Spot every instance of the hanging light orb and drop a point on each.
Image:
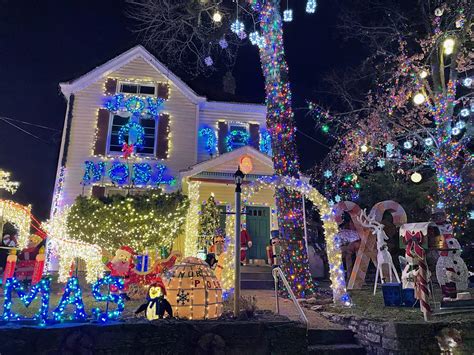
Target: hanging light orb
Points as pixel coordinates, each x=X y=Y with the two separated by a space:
x=448 y=46
x=364 y=148
x=461 y=124
x=419 y=98
x=407 y=145
x=416 y=177
x=423 y=74
x=217 y=16
x=464 y=112
x=467 y=82
x=429 y=141
x=456 y=131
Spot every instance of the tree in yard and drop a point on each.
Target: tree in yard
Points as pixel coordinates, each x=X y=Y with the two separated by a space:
x=192 y=30
x=208 y=223
x=415 y=114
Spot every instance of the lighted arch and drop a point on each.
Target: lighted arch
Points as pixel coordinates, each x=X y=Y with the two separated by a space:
x=20 y=217
x=336 y=269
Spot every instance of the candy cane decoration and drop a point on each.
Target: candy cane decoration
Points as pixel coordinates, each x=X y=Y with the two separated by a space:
x=396 y=210
x=366 y=250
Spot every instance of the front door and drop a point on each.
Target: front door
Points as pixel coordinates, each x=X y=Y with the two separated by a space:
x=258 y=227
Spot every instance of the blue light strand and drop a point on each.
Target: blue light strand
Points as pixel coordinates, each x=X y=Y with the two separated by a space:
x=134 y=104
x=141 y=173
x=93 y=172
x=13 y=284
x=210 y=137
x=232 y=136
x=134 y=129
x=72 y=296
x=265 y=142
x=118 y=173
x=109 y=281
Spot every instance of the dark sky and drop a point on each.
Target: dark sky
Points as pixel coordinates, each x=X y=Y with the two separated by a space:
x=44 y=42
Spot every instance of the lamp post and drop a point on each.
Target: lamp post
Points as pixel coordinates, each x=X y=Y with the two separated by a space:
x=238 y=178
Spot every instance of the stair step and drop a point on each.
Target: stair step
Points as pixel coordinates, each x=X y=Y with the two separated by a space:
x=257 y=285
x=330 y=336
x=336 y=349
x=255 y=268
x=256 y=276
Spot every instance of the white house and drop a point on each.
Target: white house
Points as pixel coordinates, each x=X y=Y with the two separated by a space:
x=134 y=104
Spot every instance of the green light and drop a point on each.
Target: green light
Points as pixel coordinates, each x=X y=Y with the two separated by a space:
x=325 y=128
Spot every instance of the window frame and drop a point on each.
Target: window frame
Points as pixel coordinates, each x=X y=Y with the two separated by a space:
x=124 y=82
x=109 y=136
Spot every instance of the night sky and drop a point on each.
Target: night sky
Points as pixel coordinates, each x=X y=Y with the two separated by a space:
x=45 y=42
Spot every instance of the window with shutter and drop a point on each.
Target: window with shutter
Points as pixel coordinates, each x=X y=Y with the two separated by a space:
x=148 y=123
x=222 y=134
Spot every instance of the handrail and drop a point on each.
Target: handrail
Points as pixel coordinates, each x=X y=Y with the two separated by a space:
x=278 y=272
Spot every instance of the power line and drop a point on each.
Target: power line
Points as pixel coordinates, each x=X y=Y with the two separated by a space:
x=312 y=138
x=29 y=123
x=24 y=131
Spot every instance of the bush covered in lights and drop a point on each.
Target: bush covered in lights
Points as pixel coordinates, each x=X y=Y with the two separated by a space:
x=141 y=221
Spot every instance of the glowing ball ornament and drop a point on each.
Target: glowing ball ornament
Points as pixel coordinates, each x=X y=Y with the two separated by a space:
x=456 y=131
x=419 y=98
x=217 y=17
x=467 y=82
x=464 y=112
x=416 y=177
x=193 y=290
x=429 y=141
x=448 y=46
x=407 y=145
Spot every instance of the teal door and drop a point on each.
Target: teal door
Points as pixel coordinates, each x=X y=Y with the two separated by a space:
x=258 y=227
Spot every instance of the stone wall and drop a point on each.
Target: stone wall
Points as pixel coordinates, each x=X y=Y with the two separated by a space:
x=157 y=337
x=408 y=338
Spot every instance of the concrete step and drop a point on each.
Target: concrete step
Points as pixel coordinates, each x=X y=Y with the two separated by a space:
x=257 y=284
x=337 y=349
x=256 y=268
x=330 y=336
x=256 y=276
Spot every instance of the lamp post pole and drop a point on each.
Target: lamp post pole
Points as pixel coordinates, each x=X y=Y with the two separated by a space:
x=238 y=177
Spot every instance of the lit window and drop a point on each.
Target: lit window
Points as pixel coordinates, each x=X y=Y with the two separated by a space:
x=149 y=124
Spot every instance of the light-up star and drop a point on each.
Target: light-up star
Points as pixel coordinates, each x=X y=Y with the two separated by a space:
x=337 y=198
x=381 y=163
x=327 y=174
x=331 y=203
x=471 y=214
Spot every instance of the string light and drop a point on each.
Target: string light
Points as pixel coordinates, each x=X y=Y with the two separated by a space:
x=43 y=287
x=419 y=98
x=211 y=141
x=311 y=6
x=265 y=142
x=429 y=141
x=456 y=131
x=407 y=145
x=6 y=183
x=423 y=74
x=192 y=219
x=20 y=217
x=217 y=16
x=109 y=281
x=72 y=296
x=461 y=124
x=448 y=46
x=464 y=112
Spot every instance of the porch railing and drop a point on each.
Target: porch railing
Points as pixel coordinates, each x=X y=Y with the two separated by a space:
x=278 y=273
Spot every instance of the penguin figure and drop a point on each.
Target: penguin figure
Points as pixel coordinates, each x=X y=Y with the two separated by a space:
x=156 y=304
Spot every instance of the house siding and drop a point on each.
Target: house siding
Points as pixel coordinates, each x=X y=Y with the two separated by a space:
x=182 y=147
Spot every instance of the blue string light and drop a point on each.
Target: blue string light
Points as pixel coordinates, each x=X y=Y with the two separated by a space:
x=43 y=287
x=134 y=129
x=118 y=173
x=236 y=136
x=211 y=140
x=93 y=172
x=134 y=104
x=109 y=281
x=265 y=142
x=141 y=173
x=72 y=296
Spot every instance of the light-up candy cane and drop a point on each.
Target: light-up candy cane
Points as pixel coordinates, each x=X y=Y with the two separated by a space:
x=10 y=266
x=39 y=267
x=414 y=249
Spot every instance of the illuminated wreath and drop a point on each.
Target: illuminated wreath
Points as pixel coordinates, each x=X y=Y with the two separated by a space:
x=243 y=137
x=125 y=129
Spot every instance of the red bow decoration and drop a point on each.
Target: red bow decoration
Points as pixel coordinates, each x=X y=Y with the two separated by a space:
x=127 y=150
x=413 y=241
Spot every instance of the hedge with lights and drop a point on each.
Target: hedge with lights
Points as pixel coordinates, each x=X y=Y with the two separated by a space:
x=142 y=221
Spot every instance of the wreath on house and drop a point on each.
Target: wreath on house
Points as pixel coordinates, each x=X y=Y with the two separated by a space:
x=236 y=136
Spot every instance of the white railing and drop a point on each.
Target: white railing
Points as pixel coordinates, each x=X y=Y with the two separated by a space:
x=277 y=272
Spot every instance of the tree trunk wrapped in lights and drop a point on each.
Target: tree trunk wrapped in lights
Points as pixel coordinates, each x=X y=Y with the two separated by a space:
x=281 y=125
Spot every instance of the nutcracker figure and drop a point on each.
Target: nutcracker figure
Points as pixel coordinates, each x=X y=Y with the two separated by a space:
x=274 y=251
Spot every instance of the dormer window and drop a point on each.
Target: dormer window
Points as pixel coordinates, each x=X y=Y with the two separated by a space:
x=137 y=89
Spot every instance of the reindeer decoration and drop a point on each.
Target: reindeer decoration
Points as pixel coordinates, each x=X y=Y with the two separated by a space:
x=383 y=255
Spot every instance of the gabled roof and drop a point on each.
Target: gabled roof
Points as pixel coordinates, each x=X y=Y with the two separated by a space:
x=223 y=158
x=112 y=65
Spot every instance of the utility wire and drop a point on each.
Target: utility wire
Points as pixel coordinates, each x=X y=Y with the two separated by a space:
x=312 y=138
x=29 y=123
x=24 y=131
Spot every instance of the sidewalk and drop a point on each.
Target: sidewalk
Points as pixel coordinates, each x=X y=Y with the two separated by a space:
x=266 y=300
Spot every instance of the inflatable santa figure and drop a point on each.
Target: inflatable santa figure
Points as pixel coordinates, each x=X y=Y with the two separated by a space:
x=451 y=270
x=122 y=265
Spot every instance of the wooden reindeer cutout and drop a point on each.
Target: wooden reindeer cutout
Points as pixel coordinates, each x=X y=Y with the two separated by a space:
x=383 y=255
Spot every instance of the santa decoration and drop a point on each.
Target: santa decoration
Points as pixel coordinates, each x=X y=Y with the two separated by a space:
x=122 y=265
x=451 y=270
x=245 y=244
x=30 y=259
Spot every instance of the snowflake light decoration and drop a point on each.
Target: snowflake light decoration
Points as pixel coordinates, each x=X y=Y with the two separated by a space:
x=182 y=297
x=381 y=163
x=327 y=174
x=208 y=61
x=237 y=27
